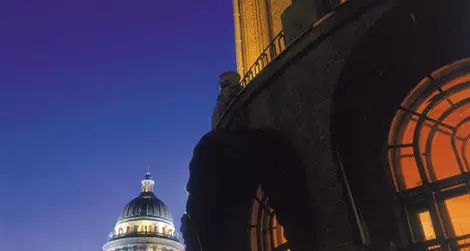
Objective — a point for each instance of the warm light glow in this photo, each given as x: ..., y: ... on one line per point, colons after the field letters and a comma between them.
x: 256, y: 24
x: 459, y: 211
x: 265, y: 231
x: 145, y: 226
x: 426, y: 224
x: 278, y: 233
x: 429, y: 142
x: 442, y: 151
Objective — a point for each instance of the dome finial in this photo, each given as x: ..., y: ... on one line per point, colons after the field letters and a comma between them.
x: 147, y: 182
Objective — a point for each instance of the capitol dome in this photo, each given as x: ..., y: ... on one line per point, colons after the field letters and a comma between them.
x: 146, y: 204
x: 145, y: 223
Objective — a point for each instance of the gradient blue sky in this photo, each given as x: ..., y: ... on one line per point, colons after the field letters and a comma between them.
x: 91, y: 93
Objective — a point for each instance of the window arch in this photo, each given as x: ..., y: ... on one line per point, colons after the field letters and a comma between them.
x: 265, y: 232
x: 428, y: 153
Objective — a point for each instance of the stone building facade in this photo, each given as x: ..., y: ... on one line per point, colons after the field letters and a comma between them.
x: 257, y: 22
x: 352, y: 136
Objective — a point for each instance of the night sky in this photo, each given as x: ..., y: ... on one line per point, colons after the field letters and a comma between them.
x: 91, y: 93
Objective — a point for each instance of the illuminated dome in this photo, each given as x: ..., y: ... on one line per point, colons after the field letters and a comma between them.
x: 146, y: 205
x: 145, y: 223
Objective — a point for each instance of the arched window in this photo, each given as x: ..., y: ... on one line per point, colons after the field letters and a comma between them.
x: 429, y: 153
x: 128, y: 229
x: 265, y: 232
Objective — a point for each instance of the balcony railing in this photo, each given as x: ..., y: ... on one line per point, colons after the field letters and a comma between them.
x: 272, y: 51
x: 278, y: 45
x: 275, y: 48
x: 143, y: 234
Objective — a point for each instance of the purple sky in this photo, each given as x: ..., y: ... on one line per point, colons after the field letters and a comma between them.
x: 91, y: 93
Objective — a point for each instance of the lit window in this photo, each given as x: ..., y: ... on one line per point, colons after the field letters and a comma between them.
x: 429, y: 154
x: 459, y: 212
x: 427, y: 227
x: 265, y: 232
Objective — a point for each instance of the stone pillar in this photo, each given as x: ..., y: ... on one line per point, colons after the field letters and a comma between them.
x: 252, y: 31
x: 238, y: 38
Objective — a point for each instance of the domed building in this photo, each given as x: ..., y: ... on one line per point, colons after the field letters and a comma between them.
x: 145, y: 224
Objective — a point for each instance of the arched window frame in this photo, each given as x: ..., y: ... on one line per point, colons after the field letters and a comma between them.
x: 264, y: 231
x: 427, y: 202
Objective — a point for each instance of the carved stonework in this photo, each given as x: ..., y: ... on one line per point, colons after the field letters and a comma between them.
x: 229, y: 88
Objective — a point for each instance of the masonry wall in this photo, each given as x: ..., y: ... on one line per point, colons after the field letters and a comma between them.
x: 293, y: 95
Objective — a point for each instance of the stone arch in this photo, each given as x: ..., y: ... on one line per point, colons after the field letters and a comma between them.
x: 226, y: 169
x: 408, y: 43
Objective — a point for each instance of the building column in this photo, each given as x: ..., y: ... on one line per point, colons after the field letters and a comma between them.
x: 252, y: 31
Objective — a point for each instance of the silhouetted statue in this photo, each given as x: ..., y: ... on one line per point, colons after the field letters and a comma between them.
x: 227, y: 167
x: 229, y: 85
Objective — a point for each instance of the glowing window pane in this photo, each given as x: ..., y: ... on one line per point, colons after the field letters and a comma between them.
x: 458, y: 115
x: 253, y: 239
x: 459, y: 212
x: 265, y: 231
x: 465, y: 242
x: 254, y: 213
x: 278, y: 233
x: 459, y: 96
x: 406, y: 170
x: 406, y: 152
x: 440, y: 150
x: 282, y: 236
x: 443, y: 158
x: 275, y: 232
x: 464, y: 130
x: 423, y: 136
x: 439, y: 109
x: 465, y: 150
x: 410, y: 172
x: 426, y: 225
x: 409, y: 131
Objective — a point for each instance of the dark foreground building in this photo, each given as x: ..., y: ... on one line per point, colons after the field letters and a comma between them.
x: 351, y: 132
